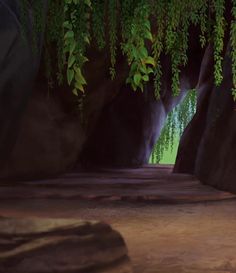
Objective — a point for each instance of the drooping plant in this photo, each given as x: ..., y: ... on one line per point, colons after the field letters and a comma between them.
x: 176, y: 122
x: 144, y: 31
x: 219, y: 30
x: 98, y: 22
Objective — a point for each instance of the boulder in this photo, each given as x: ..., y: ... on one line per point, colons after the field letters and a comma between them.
x: 61, y: 245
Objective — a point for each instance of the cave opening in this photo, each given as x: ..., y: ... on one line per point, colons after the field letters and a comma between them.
x: 117, y: 214
x: 166, y: 147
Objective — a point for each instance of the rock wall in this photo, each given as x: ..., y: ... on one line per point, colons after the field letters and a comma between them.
x: 129, y: 124
x: 191, y: 138
x: 211, y: 156
x: 18, y: 68
x: 47, y: 138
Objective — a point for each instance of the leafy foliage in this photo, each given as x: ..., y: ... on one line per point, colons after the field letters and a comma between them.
x: 176, y: 122
x: 76, y: 38
x: 141, y: 63
x: 113, y: 34
x: 144, y: 31
x: 98, y: 25
x: 219, y: 8
x: 128, y: 24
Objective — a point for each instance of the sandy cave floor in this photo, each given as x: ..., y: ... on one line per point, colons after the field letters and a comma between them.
x: 182, y: 237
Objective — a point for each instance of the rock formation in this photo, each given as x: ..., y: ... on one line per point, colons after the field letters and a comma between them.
x: 47, y: 138
x: 121, y: 126
x: 60, y: 245
x: 18, y: 68
x: 208, y: 145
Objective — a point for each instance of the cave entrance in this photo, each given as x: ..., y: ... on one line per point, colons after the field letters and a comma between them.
x: 166, y: 148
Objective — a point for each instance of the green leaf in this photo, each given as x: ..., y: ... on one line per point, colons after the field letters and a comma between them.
x: 141, y: 87
x: 86, y: 39
x: 70, y: 75
x: 135, y: 53
x: 150, y: 70
x: 72, y: 46
x: 69, y: 34
x: 88, y: 3
x: 79, y: 77
x: 137, y: 79
x: 150, y: 60
x: 67, y: 25
x: 79, y: 86
x: 146, y: 78
x: 148, y: 35
x: 134, y: 67
x: 147, y: 25
x: 143, y: 53
x: 143, y: 69
x: 75, y: 92
x: 71, y: 61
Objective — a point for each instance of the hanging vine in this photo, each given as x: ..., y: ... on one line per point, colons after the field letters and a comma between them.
x: 176, y: 122
x: 144, y: 31
x: 113, y: 34
x: 98, y: 22
x: 160, y: 11
x: 219, y: 30
x: 76, y: 39
x: 140, y: 62
x: 72, y: 24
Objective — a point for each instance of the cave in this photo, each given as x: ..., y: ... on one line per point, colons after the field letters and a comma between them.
x: 87, y: 93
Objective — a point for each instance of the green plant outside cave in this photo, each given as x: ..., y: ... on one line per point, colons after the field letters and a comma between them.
x: 165, y: 150
x: 169, y: 155
x: 144, y: 31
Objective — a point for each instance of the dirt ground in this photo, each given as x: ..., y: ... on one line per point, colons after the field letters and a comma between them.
x: 149, y: 206
x: 177, y: 238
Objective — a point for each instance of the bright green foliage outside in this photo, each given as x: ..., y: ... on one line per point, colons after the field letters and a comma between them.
x: 169, y: 155
x: 143, y: 29
x: 166, y: 147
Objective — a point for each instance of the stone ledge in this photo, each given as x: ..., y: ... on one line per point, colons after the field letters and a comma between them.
x: 61, y: 246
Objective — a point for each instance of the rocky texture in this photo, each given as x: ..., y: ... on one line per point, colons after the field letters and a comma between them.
x: 150, y: 185
x: 39, y: 136
x: 179, y: 238
x: 121, y: 126
x: 59, y: 245
x: 50, y: 139
x: 216, y: 160
x: 18, y: 68
x: 207, y: 148
x: 213, y: 152
x: 128, y: 126
x: 191, y: 138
